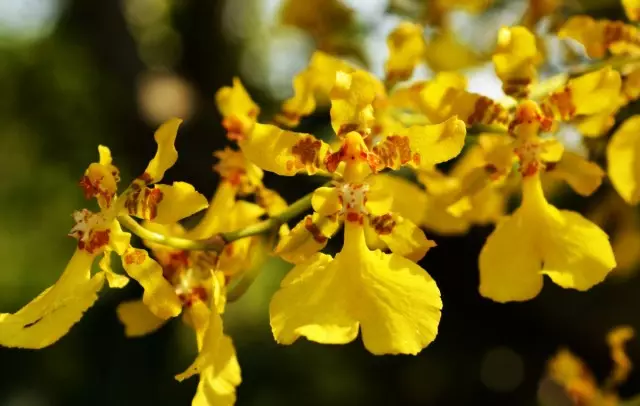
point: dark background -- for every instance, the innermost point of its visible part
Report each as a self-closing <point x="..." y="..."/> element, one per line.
<point x="77" y="80"/>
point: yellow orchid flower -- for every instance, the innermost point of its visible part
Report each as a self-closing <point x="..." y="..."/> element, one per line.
<point x="590" y="101"/>
<point x="579" y="383"/>
<point x="238" y="110"/>
<point x="323" y="292"/>
<point x="323" y="312"/>
<point x="311" y="87"/>
<point x="622" y="222"/>
<point x="632" y="9"/>
<point x="49" y="316"/>
<point x="200" y="279"/>
<point x="538" y="239"/>
<point x="622" y="152"/>
<point x="602" y="37"/>
<point x="515" y="60"/>
<point x="406" y="51"/>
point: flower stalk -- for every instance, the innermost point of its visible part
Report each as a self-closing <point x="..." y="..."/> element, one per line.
<point x="217" y="242"/>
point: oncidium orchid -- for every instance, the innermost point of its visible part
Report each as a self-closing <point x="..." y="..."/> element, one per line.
<point x="49" y="316"/>
<point x="323" y="288"/>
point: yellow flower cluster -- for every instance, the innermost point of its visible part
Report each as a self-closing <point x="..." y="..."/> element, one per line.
<point x="374" y="285"/>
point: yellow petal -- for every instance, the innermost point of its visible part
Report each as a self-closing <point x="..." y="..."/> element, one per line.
<point x="105" y="155"/>
<point x="596" y="125"/>
<point x="602" y="36"/>
<point x="218" y="384"/>
<point x="551" y="150"/>
<point x="165" y="204"/>
<point x="406" y="50"/>
<point x="632" y="8"/>
<point x="166" y="154"/>
<point x="583" y="176"/>
<point x="589" y="94"/>
<point x="616" y="339"/>
<point x="321" y="297"/>
<point x="515" y="60"/>
<point x="422" y="146"/>
<point x="445" y="52"/>
<point x="215" y="217"/>
<point x="271" y="200"/>
<point x="307" y="237"/>
<point x="586" y="31"/>
<point x="115" y="280"/>
<point x="138" y="319"/>
<point x="401" y="235"/>
<point x="284" y="152"/>
<point x="444" y="97"/>
<point x="576" y="253"/>
<point x="209" y="350"/>
<point x="352" y="100"/>
<point x="631" y="86"/>
<point x="623" y="160"/>
<point x="119" y="240"/>
<point x="49" y="316"/>
<point x="387" y="192"/>
<point x="242" y="215"/>
<point x="398" y="304"/>
<point x="179" y="201"/>
<point x="158" y="295"/>
<point x="311" y="87"/>
<point x="509" y="264"/>
<point x="326" y="201"/>
<point x="238" y="110"/>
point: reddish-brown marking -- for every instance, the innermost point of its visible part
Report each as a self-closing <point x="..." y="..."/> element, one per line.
<point x="332" y="160"/>
<point x="146" y="178"/>
<point x="486" y="111"/>
<point x="353" y="217"/>
<point x="314" y="230"/>
<point x="563" y="101"/>
<point x="394" y="151"/>
<point x="384" y="224"/>
<point x="234" y="127"/>
<point x="135" y="257"/>
<point x="89" y="188"/>
<point x="518" y="87"/>
<point x="97" y="239"/>
<point x="347" y="128"/>
<point x="307" y="151"/>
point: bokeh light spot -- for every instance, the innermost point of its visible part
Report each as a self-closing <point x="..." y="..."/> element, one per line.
<point x="502" y="369"/>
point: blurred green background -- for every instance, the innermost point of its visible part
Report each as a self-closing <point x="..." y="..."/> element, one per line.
<point x="78" y="73"/>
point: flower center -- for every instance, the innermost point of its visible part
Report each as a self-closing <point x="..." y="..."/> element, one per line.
<point x="528" y="152"/>
<point x="90" y="230"/>
<point x="354" y="197"/>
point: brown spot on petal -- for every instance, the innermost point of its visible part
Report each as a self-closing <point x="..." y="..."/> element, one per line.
<point x="314" y="230"/>
<point x="563" y="101"/>
<point x="135" y="257"/>
<point x="486" y="111"/>
<point x="234" y="127"/>
<point x="307" y="151"/>
<point x="384" y="224"/>
<point x="394" y="151"/>
<point x="517" y="87"/>
<point x="332" y="160"/>
<point x="143" y="202"/>
<point x="347" y="128"/>
<point x="146" y="178"/>
<point x="97" y="240"/>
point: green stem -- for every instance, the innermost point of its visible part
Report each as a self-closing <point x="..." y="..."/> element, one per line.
<point x="215" y="243"/>
<point x="295" y="209"/>
<point x="218" y="241"/>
